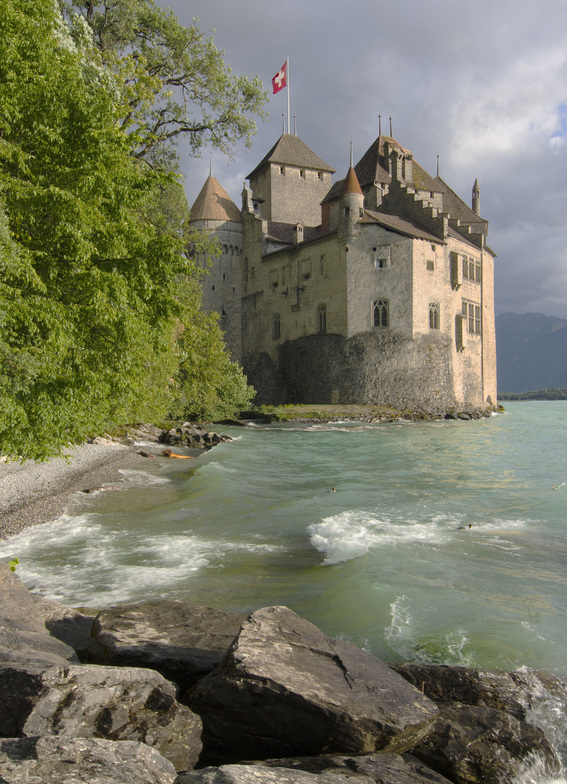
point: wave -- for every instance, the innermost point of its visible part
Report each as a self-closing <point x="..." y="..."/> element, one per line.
<point x="142" y="478"/>
<point x="442" y="647"/>
<point x="352" y="533"/>
<point x="105" y="566"/>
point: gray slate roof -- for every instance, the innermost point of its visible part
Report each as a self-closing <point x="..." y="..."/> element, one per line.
<point x="400" y="225"/>
<point x="291" y="150"/>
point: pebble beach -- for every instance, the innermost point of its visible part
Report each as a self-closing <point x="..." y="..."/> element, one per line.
<point x="38" y="492"/>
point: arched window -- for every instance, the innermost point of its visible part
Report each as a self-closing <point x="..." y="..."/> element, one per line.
<point x="322" y="319"/>
<point x="380" y="315"/>
<point x="276" y="326"/>
<point x="433" y="315"/>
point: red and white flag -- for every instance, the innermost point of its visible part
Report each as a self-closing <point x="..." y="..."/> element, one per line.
<point x="280" y="79"/>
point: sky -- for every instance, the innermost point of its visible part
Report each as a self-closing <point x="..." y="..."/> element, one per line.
<point x="483" y="84"/>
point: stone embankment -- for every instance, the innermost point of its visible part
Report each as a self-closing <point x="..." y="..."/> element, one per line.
<point x="168" y="693"/>
<point x="361" y="413"/>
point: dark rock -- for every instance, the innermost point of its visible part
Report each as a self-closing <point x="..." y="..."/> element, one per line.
<point x="182" y="641"/>
<point x="193" y="436"/>
<point x="248" y="774"/>
<point x="106" y="702"/>
<point x="16" y="601"/>
<point x="445" y="683"/>
<point x="285" y="688"/>
<point x="70" y="626"/>
<point x="21" y="644"/>
<point x="81" y="761"/>
<point x="471" y="744"/>
<point x="381" y="767"/>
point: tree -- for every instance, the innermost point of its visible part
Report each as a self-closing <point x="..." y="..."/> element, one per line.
<point x="174" y="81"/>
<point x="89" y="307"/>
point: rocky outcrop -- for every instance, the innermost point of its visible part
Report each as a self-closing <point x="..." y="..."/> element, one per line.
<point x="285" y="703"/>
<point x="471" y="744"/>
<point x="381" y="767"/>
<point x="181" y="641"/>
<point x="193" y="436"/>
<point x="81" y="761"/>
<point x="248" y="774"/>
<point x="489" y="688"/>
<point x="108" y="702"/>
<point x="285" y="688"/>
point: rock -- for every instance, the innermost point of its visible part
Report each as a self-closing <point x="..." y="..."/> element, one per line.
<point x="81" y="761"/>
<point x="248" y="774"/>
<point x="85" y="701"/>
<point x="70" y="626"/>
<point x="181" y="641"/>
<point x="471" y="744"/>
<point x="16" y="603"/>
<point x="193" y="436"/>
<point x="21" y="644"/>
<point x="285" y="688"/>
<point x="381" y="767"/>
<point x="445" y="683"/>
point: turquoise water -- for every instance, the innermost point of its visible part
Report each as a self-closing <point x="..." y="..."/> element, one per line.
<point x="386" y="561"/>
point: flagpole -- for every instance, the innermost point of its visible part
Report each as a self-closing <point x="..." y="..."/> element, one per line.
<point x="288" y="91"/>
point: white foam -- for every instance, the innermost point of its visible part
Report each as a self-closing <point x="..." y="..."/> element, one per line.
<point x="533" y="771"/>
<point x="352" y="533"/>
<point x="446" y="647"/>
<point x="142" y="478"/>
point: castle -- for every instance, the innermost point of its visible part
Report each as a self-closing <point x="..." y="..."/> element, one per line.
<point x="378" y="288"/>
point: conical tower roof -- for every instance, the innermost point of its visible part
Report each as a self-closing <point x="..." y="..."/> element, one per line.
<point x="350" y="183"/>
<point x="214" y="203"/>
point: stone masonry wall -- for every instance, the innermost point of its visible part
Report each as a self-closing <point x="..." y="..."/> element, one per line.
<point x="379" y="367"/>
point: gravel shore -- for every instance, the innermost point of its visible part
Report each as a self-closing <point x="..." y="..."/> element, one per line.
<point x="33" y="493"/>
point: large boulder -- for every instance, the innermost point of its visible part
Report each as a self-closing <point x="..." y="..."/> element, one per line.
<point x="16" y="602"/>
<point x="446" y="683"/>
<point x="248" y="774"/>
<point x="24" y="645"/>
<point x="381" y="767"/>
<point x="181" y="641"/>
<point x="85" y="701"/>
<point x="285" y="688"/>
<point x="70" y="626"/>
<point x="471" y="744"/>
<point x="81" y="761"/>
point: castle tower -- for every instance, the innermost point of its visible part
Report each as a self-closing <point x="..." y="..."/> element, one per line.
<point x="351" y="205"/>
<point x="215" y="214"/>
<point x="290" y="182"/>
<point x="476" y="198"/>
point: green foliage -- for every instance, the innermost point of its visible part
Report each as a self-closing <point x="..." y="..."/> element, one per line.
<point x="208" y="385"/>
<point x="13" y="564"/>
<point x="173" y="80"/>
<point x="91" y="264"/>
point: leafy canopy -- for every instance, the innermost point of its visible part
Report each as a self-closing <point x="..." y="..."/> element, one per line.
<point x="173" y="80"/>
<point x="90" y="312"/>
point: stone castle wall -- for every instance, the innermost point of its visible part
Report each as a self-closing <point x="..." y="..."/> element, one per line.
<point x="380" y="367"/>
<point x="291" y="194"/>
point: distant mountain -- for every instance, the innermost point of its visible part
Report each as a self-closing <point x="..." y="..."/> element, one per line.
<point x="531" y="351"/>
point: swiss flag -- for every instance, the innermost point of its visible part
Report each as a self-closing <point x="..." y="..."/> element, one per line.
<point x="280" y="79"/>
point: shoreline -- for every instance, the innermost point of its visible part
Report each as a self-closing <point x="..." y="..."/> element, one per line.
<point x="33" y="493"/>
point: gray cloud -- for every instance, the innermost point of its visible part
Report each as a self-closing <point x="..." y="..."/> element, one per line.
<point x="484" y="84"/>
